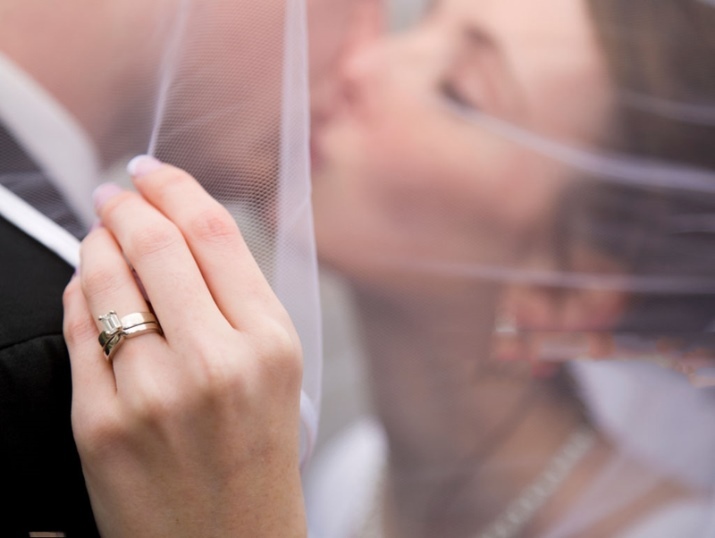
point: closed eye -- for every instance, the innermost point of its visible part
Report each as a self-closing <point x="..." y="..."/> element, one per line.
<point x="455" y="97"/>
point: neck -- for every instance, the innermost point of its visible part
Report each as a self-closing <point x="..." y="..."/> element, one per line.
<point x="454" y="418"/>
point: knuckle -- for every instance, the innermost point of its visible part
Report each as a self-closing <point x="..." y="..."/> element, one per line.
<point x="116" y="205"/>
<point x="152" y="408"/>
<point x="101" y="280"/>
<point x="221" y="374"/>
<point x="154" y="239"/>
<point x="280" y="352"/>
<point x="97" y="434"/>
<point x="234" y="370"/>
<point x="213" y="225"/>
<point x="70" y="291"/>
<point x="171" y="177"/>
<point x="167" y="182"/>
<point x="78" y="330"/>
<point x="281" y="334"/>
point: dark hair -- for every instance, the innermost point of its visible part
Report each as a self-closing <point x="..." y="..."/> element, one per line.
<point x="657" y="51"/>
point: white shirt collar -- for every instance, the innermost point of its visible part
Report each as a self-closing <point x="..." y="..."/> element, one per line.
<point x="51" y="136"/>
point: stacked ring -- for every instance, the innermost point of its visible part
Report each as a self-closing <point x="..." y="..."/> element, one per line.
<point x="115" y="329"/>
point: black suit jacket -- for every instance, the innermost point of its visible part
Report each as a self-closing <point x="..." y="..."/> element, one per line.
<point x="40" y="474"/>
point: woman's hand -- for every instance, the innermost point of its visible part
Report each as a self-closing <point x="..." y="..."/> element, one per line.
<point x="194" y="432"/>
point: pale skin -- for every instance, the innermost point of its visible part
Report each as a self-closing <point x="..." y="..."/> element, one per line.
<point x="193" y="433"/>
<point x="63" y="50"/>
<point x="391" y="161"/>
<point x="456" y="421"/>
<point x="204" y="441"/>
<point x="451" y="420"/>
<point x="399" y="180"/>
<point x="136" y="419"/>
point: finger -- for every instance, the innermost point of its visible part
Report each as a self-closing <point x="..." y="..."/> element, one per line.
<point x="109" y="285"/>
<point x="234" y="278"/>
<point x="92" y="376"/>
<point x="107" y="279"/>
<point x="158" y="253"/>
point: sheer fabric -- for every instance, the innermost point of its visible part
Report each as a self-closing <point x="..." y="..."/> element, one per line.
<point x="220" y="89"/>
<point x="527" y="192"/>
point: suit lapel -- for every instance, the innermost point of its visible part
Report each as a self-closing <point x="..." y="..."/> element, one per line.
<point x="23" y="177"/>
<point x="13" y="158"/>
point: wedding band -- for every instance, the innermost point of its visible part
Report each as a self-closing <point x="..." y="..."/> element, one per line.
<point x="115" y="330"/>
<point x="112" y="343"/>
<point x="105" y="338"/>
<point x="138" y="318"/>
<point x="137" y="330"/>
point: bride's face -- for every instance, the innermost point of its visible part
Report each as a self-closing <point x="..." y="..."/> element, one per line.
<point x="400" y="177"/>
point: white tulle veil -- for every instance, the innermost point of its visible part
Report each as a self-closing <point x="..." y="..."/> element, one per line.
<point x="639" y="195"/>
<point x="219" y="88"/>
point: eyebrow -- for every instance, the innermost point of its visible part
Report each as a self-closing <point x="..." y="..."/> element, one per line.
<point x="478" y="37"/>
<point x="481" y="41"/>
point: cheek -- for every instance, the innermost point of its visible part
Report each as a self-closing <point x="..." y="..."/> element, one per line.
<point x="451" y="177"/>
<point x="328" y="23"/>
<point x="411" y="181"/>
<point x="427" y="184"/>
<point x="448" y="191"/>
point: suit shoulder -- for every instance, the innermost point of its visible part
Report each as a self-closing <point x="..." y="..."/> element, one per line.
<point x="32" y="280"/>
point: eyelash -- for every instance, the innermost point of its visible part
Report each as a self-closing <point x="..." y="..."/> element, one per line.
<point x="450" y="92"/>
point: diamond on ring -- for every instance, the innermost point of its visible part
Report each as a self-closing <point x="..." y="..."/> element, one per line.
<point x="115" y="330"/>
<point x="110" y="322"/>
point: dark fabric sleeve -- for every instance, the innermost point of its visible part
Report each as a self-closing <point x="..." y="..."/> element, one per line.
<point x="41" y="482"/>
<point x="42" y="478"/>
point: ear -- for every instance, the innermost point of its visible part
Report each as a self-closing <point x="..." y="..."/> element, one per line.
<point x="590" y="307"/>
<point x="565" y="310"/>
<point x="539" y="323"/>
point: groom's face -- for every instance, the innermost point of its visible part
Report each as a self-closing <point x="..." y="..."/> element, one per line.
<point x="116" y="53"/>
<point x="336" y="29"/>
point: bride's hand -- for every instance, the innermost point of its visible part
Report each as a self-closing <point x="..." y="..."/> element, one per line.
<point x="193" y="432"/>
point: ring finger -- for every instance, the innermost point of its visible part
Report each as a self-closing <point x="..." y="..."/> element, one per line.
<point x="109" y="285"/>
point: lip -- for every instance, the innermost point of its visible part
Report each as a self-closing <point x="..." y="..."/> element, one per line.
<point x="317" y="153"/>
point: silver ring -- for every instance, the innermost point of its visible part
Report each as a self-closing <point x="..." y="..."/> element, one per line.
<point x="142" y="328"/>
<point x="112" y="343"/>
<point x="138" y="318"/>
<point x="115" y="330"/>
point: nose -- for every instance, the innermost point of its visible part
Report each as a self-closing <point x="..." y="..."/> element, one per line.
<point x="359" y="70"/>
<point x="406" y="61"/>
<point x="363" y="28"/>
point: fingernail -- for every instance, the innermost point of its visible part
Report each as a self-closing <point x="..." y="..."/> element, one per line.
<point x="142" y="165"/>
<point x="103" y="193"/>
